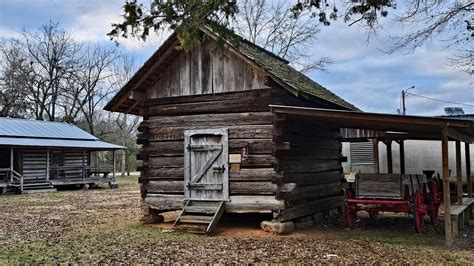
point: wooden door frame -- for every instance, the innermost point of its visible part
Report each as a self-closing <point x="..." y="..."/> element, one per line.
<point x="224" y="132"/>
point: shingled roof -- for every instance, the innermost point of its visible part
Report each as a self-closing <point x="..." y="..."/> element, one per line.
<point x="277" y="67"/>
<point x="289" y="75"/>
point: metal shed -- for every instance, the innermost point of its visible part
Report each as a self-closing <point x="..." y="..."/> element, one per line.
<point x="41" y="155"/>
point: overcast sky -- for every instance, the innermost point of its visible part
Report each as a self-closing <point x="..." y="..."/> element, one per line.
<point x="360" y="73"/>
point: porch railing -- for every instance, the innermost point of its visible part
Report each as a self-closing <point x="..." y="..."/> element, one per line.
<point x="57" y="172"/>
<point x="14" y="175"/>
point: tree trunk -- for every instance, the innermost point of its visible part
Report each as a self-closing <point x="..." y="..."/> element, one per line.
<point x="127" y="162"/>
<point x="124" y="159"/>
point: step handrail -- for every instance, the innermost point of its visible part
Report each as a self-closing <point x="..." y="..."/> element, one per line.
<point x="15" y="175"/>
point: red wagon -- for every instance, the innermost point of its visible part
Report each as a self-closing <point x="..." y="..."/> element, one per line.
<point x="411" y="194"/>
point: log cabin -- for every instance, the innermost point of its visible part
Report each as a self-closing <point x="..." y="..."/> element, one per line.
<point x="39" y="156"/>
<point x="211" y="145"/>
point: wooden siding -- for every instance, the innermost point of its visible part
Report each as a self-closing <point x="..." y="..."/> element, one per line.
<point x="202" y="71"/>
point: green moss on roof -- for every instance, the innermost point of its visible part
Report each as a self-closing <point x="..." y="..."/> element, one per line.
<point x="286" y="73"/>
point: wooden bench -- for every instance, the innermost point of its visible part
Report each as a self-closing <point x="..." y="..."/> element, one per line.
<point x="469" y="202"/>
<point x="461" y="215"/>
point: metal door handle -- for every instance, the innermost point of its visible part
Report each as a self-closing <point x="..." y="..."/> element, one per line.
<point x="220" y="169"/>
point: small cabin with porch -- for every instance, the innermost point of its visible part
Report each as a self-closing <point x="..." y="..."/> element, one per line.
<point x="211" y="144"/>
<point x="38" y="156"/>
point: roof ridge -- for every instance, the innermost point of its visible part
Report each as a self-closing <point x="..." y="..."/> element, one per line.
<point x="36" y="120"/>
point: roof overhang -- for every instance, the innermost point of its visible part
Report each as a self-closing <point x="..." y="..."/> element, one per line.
<point x="57" y="143"/>
<point x="388" y="126"/>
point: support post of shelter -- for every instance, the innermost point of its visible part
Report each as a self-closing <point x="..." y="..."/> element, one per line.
<point x="402" y="156"/>
<point x="446" y="192"/>
<point x="388" y="143"/>
<point x="468" y="170"/>
<point x="113" y="164"/>
<point x="375" y="143"/>
<point x="47" y="165"/>
<point x="11" y="164"/>
<point x="458" y="173"/>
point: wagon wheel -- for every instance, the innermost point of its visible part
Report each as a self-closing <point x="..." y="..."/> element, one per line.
<point x="419" y="211"/>
<point x="350" y="213"/>
<point x="435" y="201"/>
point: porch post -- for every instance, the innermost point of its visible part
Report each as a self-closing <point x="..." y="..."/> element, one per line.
<point x="12" y="157"/>
<point x="47" y="164"/>
<point x="388" y="143"/>
<point x="402" y="156"/>
<point x="446" y="192"/>
<point x="468" y="170"/>
<point x="458" y="173"/>
<point x="113" y="164"/>
<point x="375" y="143"/>
<point x="83" y="165"/>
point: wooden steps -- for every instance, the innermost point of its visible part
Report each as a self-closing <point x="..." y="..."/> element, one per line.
<point x="37" y="186"/>
<point x="199" y="216"/>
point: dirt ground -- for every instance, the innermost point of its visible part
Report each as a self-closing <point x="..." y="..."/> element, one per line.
<point x="102" y="226"/>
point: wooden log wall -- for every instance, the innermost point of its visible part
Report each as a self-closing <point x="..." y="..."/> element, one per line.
<point x="250" y="123"/>
<point x="73" y="159"/>
<point x="34" y="164"/>
<point x="312" y="164"/>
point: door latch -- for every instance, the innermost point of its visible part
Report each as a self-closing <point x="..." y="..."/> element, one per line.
<point x="219" y="169"/>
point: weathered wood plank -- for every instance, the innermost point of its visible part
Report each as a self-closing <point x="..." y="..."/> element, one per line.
<point x="238" y="204"/>
<point x="264" y="174"/>
<point x="255" y="101"/>
<point x="218" y="74"/>
<point x="176" y="148"/>
<point x="225" y="96"/>
<point x="184" y="75"/>
<point x="230" y="119"/>
<point x="259" y="160"/>
<point x="310" y="178"/>
<point x="166" y="162"/>
<point x="206" y="69"/>
<point x="236" y="188"/>
<point x="311" y="207"/>
<point x="306" y="166"/>
<point x="311" y="192"/>
<point x="316" y="154"/>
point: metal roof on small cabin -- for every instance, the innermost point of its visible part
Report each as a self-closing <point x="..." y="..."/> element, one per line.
<point x="36" y="133"/>
<point x="25" y="128"/>
<point x="58" y="143"/>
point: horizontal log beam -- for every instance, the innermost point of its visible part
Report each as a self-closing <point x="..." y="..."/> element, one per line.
<point x="246" y="118"/>
<point x="311" y="207"/>
<point x="237" y="204"/>
<point x="235" y="132"/>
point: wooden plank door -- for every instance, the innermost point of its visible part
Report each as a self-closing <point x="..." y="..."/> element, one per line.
<point x="206" y="158"/>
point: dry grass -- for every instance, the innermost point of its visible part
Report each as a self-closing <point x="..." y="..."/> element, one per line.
<point x="102" y="226"/>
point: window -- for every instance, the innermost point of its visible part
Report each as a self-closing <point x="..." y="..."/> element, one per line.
<point x="57" y="158"/>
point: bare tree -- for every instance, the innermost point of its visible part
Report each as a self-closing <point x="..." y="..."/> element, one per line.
<point x="12" y="78"/>
<point x="53" y="58"/>
<point x="92" y="82"/>
<point x="450" y="21"/>
<point x="272" y="26"/>
<point x="126" y="124"/>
